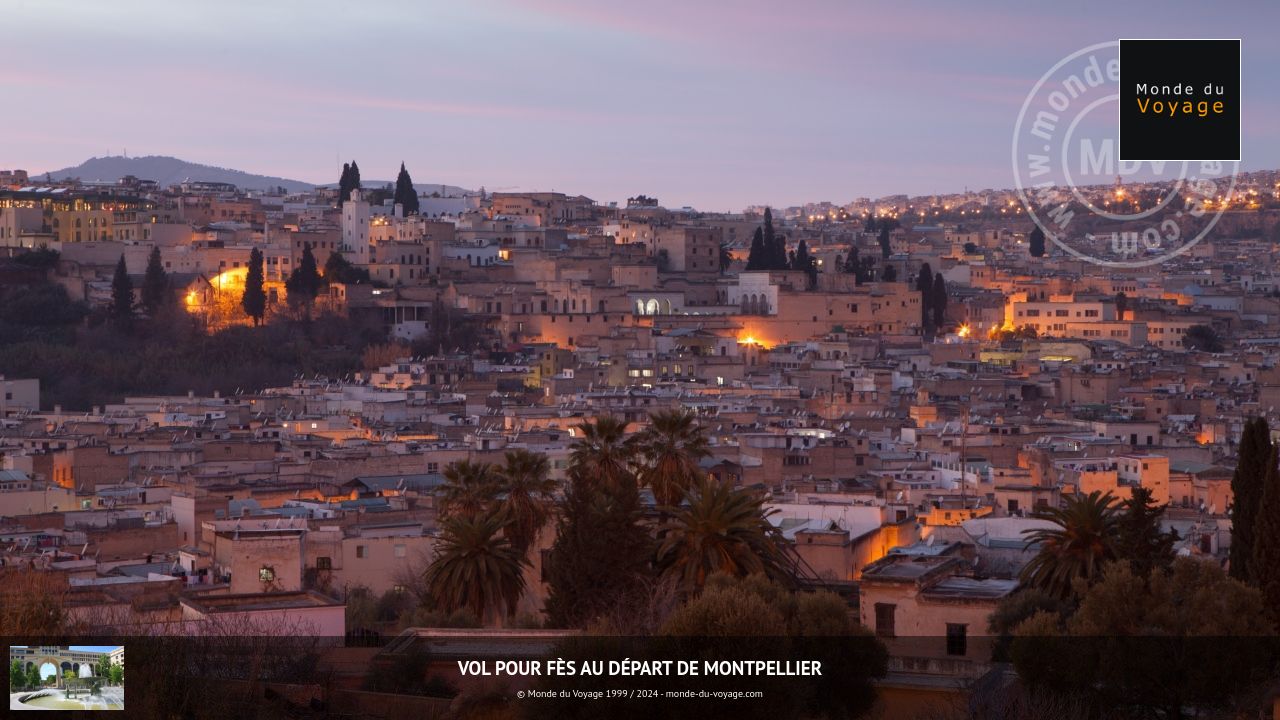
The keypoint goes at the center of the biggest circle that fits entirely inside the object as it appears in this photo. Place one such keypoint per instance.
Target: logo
(1087, 200)
(1180, 99)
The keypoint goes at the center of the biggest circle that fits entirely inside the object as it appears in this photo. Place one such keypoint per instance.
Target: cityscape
(364, 446)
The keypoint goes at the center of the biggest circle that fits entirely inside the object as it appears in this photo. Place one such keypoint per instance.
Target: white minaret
(355, 229)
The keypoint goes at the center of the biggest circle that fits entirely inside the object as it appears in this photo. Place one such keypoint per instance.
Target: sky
(708, 103)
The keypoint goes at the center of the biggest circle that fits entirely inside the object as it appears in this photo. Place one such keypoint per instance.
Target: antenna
(964, 483)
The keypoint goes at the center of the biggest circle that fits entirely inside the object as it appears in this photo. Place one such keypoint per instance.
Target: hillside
(170, 171)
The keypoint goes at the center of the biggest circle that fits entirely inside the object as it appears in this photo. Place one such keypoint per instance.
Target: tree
(1203, 338)
(924, 285)
(799, 259)
(885, 248)
(671, 447)
(970, 249)
(406, 196)
(731, 612)
(41, 256)
(121, 307)
(721, 529)
(756, 258)
(1140, 540)
(1266, 541)
(726, 258)
(924, 280)
(1122, 302)
(1015, 609)
(469, 488)
(337, 269)
(602, 555)
(69, 674)
(938, 299)
(1189, 637)
(155, 284)
(1083, 541)
(775, 247)
(304, 282)
(526, 496)
(1246, 489)
(804, 262)
(889, 274)
(349, 181)
(254, 299)
(33, 677)
(476, 567)
(602, 455)
(1035, 242)
(117, 674)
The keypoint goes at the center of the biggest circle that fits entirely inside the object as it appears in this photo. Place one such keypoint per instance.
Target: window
(267, 574)
(360, 551)
(324, 563)
(957, 639)
(884, 619)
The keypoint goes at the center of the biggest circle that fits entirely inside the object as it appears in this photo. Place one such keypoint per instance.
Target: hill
(168, 171)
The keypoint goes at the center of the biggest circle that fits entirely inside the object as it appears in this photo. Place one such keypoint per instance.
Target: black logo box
(1186, 65)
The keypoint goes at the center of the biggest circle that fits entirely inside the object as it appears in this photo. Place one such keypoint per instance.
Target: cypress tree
(939, 300)
(601, 555)
(924, 285)
(254, 300)
(1246, 488)
(775, 248)
(802, 258)
(355, 176)
(889, 274)
(756, 259)
(1036, 242)
(1265, 564)
(155, 284)
(344, 183)
(1141, 541)
(782, 258)
(885, 249)
(924, 280)
(121, 307)
(304, 282)
(405, 195)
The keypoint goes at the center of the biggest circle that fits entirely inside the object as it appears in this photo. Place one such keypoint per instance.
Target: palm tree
(720, 529)
(476, 566)
(602, 454)
(526, 495)
(671, 447)
(1083, 541)
(469, 488)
